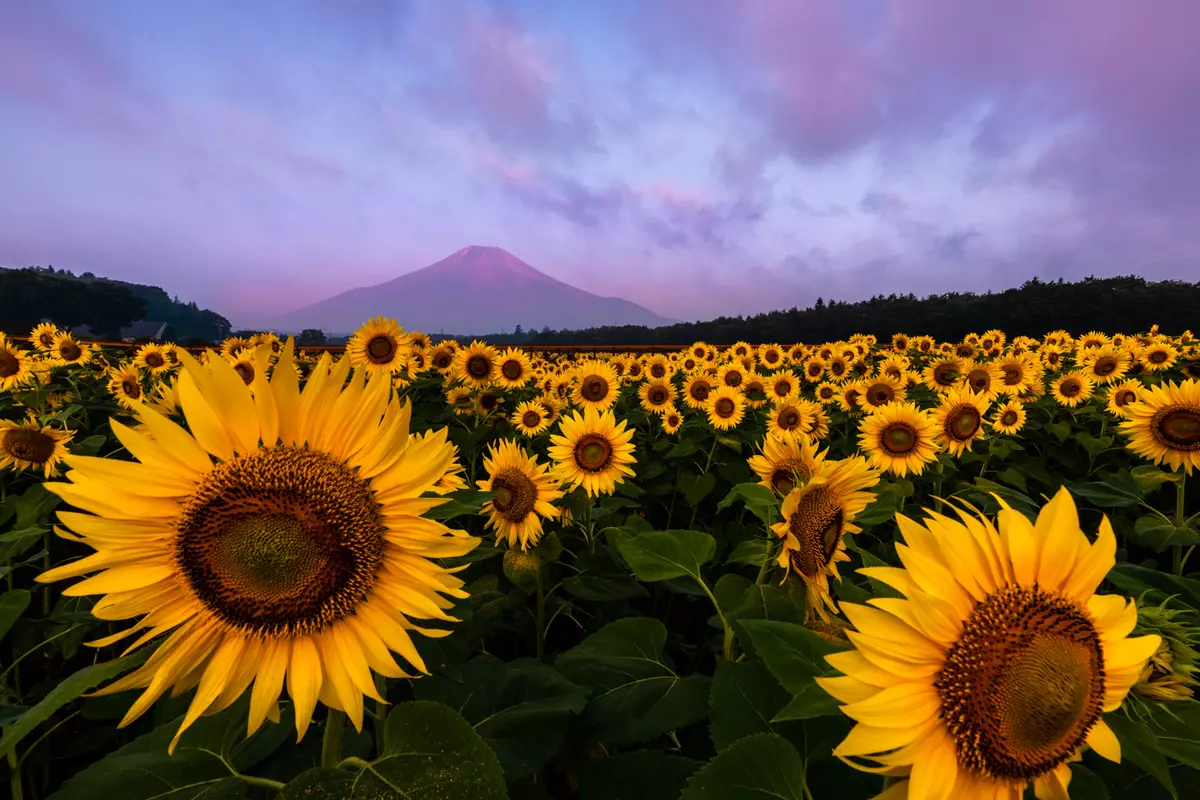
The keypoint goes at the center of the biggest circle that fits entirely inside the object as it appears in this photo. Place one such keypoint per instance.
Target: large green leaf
(1105, 495)
(640, 775)
(321, 783)
(1135, 580)
(662, 555)
(754, 768)
(1159, 533)
(696, 487)
(432, 752)
(745, 698)
(12, 606)
(521, 708)
(1177, 728)
(1139, 746)
(740, 598)
(793, 653)
(759, 500)
(637, 694)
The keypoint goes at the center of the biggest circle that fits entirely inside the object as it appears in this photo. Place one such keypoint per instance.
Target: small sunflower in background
(754, 389)
(726, 407)
(150, 357)
(1106, 363)
(959, 419)
(789, 419)
(816, 516)
(786, 462)
(782, 386)
(659, 367)
(770, 356)
(1121, 395)
(596, 386)
(28, 445)
(1009, 418)
(523, 492)
(125, 384)
(671, 420)
(592, 450)
(69, 350)
(1014, 373)
(475, 365)
(983, 378)
(899, 438)
(43, 336)
(441, 357)
(943, 374)
(1072, 388)
(657, 396)
(1164, 425)
(827, 392)
(514, 369)
(1000, 656)
(838, 367)
(233, 345)
(1158, 356)
(529, 418)
(16, 366)
(697, 390)
(379, 345)
(848, 394)
(875, 393)
(461, 400)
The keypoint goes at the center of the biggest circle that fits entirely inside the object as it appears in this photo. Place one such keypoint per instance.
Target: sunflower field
(415, 569)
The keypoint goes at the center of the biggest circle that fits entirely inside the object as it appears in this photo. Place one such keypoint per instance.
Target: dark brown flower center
(962, 423)
(281, 542)
(442, 359)
(1070, 387)
(154, 360)
(245, 371)
(825, 392)
(488, 401)
(817, 523)
(69, 351)
(381, 349)
(699, 390)
(880, 394)
(899, 438)
(945, 374)
(512, 369)
(815, 370)
(979, 379)
(1105, 365)
(28, 445)
(531, 419)
(9, 365)
(657, 370)
(594, 388)
(837, 368)
(1125, 397)
(1158, 356)
(657, 396)
(479, 366)
(1013, 375)
(1178, 428)
(724, 407)
(593, 453)
(1009, 418)
(789, 419)
(733, 378)
(964, 351)
(1023, 684)
(516, 494)
(131, 388)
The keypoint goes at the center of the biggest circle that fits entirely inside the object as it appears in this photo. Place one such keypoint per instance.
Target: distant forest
(31, 294)
(1111, 304)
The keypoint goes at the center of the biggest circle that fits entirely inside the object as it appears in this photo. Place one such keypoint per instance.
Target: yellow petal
(935, 770)
(1018, 536)
(219, 670)
(304, 681)
(1102, 739)
(906, 704)
(203, 420)
(268, 684)
(863, 740)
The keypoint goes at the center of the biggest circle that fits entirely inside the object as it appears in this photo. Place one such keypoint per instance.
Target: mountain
(476, 291)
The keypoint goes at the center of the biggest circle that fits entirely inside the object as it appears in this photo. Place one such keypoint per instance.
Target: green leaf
(1094, 445)
(637, 694)
(739, 598)
(1139, 746)
(1149, 476)
(602, 589)
(881, 510)
(639, 775)
(753, 768)
(1159, 533)
(1105, 495)
(760, 501)
(751, 553)
(1135, 580)
(1061, 430)
(661, 555)
(696, 487)
(683, 449)
(67, 690)
(462, 502)
(1087, 785)
(745, 699)
(321, 783)
(521, 708)
(12, 606)
(810, 703)
(793, 653)
(1177, 728)
(432, 752)
(1014, 477)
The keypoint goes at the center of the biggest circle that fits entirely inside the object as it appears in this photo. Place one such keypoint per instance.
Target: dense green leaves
(639, 775)
(662, 555)
(756, 767)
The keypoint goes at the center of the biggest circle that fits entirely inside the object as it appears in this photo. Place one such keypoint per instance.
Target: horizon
(746, 158)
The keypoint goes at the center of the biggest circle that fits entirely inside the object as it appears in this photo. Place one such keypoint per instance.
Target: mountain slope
(477, 290)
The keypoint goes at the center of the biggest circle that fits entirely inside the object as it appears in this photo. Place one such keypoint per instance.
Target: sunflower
(984, 378)
(31, 446)
(166, 397)
(899, 342)
(697, 390)
(657, 396)
(900, 438)
(43, 335)
(379, 345)
(874, 393)
(731, 375)
(251, 361)
(1009, 418)
(515, 369)
(461, 400)
(786, 462)
(942, 374)
(475, 365)
(838, 367)
(596, 385)
(994, 668)
(592, 450)
(489, 399)
(125, 384)
(233, 345)
(1121, 395)
(1158, 356)
(530, 418)
(68, 350)
(523, 493)
(818, 426)
(893, 366)
(796, 354)
(826, 392)
(726, 407)
(552, 405)
(789, 419)
(1164, 425)
(1014, 372)
(1106, 363)
(847, 397)
(659, 367)
(1092, 340)
(16, 367)
(672, 420)
(279, 542)
(816, 515)
(441, 357)
(959, 419)
(771, 355)
(1072, 388)
(150, 357)
(268, 339)
(782, 386)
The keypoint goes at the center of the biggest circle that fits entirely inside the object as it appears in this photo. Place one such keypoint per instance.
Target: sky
(700, 157)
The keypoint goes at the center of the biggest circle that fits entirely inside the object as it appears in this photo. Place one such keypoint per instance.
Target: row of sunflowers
(898, 569)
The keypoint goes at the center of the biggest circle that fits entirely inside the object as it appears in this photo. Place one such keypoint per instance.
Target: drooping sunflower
(875, 393)
(43, 336)
(15, 366)
(995, 667)
(69, 350)
(1121, 395)
(596, 386)
(530, 418)
(592, 450)
(29, 445)
(524, 491)
(151, 357)
(379, 345)
(789, 419)
(281, 541)
(657, 396)
(783, 386)
(475, 365)
(125, 384)
(959, 419)
(816, 515)
(1164, 425)
(515, 368)
(1009, 418)
(1072, 388)
(672, 420)
(697, 390)
(786, 462)
(900, 438)
(461, 400)
(725, 408)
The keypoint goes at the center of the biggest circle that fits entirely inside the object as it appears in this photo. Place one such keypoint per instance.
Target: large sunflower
(1106, 363)
(515, 370)
(475, 365)
(1165, 425)
(786, 462)
(959, 419)
(379, 345)
(900, 438)
(524, 492)
(726, 407)
(279, 541)
(592, 450)
(32, 446)
(69, 350)
(596, 386)
(994, 668)
(815, 516)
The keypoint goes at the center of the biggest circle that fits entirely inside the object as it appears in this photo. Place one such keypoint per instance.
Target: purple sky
(697, 156)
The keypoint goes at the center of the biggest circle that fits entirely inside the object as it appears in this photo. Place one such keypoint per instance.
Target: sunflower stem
(1180, 521)
(331, 743)
(765, 568)
(265, 783)
(14, 775)
(728, 641)
(541, 618)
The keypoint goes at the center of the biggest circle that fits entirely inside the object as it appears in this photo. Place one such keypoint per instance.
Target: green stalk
(1180, 519)
(728, 643)
(765, 568)
(541, 618)
(331, 743)
(14, 775)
